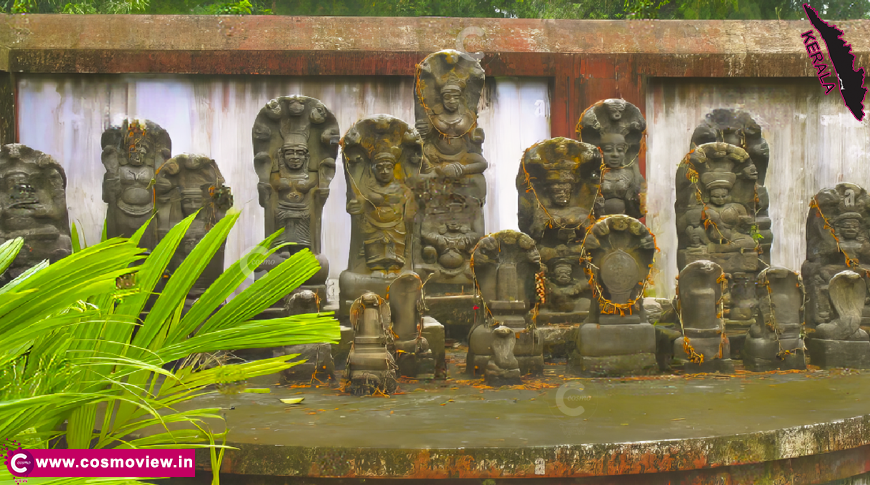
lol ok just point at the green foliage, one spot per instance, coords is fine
(74, 350)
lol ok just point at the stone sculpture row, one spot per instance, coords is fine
(416, 195)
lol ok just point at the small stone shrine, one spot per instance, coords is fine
(452, 189)
(33, 207)
(507, 269)
(186, 184)
(715, 217)
(618, 129)
(557, 184)
(774, 341)
(838, 239)
(703, 346)
(370, 367)
(132, 154)
(413, 354)
(295, 141)
(616, 339)
(737, 127)
(841, 342)
(382, 157)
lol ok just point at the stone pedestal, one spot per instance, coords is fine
(839, 353)
(705, 346)
(318, 364)
(341, 350)
(759, 355)
(614, 350)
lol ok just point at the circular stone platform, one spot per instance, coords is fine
(788, 427)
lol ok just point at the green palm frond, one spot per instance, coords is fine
(74, 350)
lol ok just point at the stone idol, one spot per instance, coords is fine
(703, 346)
(33, 207)
(371, 368)
(452, 189)
(557, 184)
(382, 157)
(295, 142)
(715, 217)
(774, 341)
(186, 184)
(838, 239)
(132, 154)
(737, 127)
(506, 344)
(841, 342)
(618, 129)
(616, 338)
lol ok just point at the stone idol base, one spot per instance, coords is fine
(709, 348)
(558, 340)
(318, 363)
(759, 355)
(614, 350)
(839, 353)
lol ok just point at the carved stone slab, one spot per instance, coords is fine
(774, 340)
(33, 207)
(132, 154)
(618, 129)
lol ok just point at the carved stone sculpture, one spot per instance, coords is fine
(774, 341)
(370, 366)
(413, 354)
(33, 207)
(715, 215)
(558, 183)
(838, 238)
(840, 342)
(703, 346)
(382, 157)
(186, 184)
(132, 154)
(617, 128)
(295, 142)
(616, 338)
(506, 267)
(452, 188)
(737, 127)
(319, 365)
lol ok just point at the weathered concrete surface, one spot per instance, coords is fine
(808, 427)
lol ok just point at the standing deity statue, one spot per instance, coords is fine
(132, 155)
(452, 188)
(32, 207)
(737, 127)
(382, 158)
(617, 128)
(716, 221)
(295, 142)
(557, 184)
(184, 185)
(616, 338)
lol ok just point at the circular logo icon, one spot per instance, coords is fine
(253, 260)
(571, 397)
(20, 463)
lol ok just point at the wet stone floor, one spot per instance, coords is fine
(551, 410)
